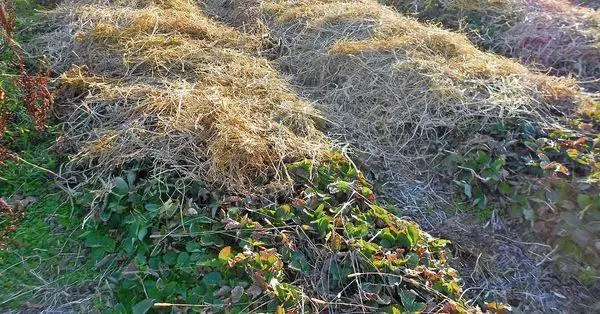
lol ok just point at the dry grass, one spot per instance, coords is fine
(557, 35)
(400, 91)
(160, 80)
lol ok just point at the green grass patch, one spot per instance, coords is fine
(44, 253)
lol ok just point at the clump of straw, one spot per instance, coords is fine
(159, 80)
(553, 35)
(400, 91)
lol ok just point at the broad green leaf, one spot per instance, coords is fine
(413, 235)
(212, 278)
(193, 247)
(95, 240)
(183, 259)
(170, 258)
(121, 186)
(529, 214)
(143, 307)
(409, 302)
(299, 262)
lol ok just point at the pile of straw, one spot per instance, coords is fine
(556, 35)
(400, 91)
(160, 81)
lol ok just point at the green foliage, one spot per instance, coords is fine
(45, 243)
(238, 254)
(549, 179)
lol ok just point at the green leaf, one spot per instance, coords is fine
(299, 262)
(365, 191)
(211, 239)
(388, 240)
(505, 188)
(193, 247)
(323, 225)
(380, 213)
(152, 207)
(170, 258)
(212, 278)
(97, 254)
(529, 214)
(497, 164)
(409, 302)
(121, 186)
(143, 307)
(183, 259)
(95, 240)
(339, 186)
(357, 230)
(413, 235)
(584, 200)
(142, 231)
(394, 309)
(467, 189)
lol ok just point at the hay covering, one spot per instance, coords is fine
(161, 81)
(557, 35)
(400, 91)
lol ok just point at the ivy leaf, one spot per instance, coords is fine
(143, 307)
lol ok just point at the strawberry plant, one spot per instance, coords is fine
(235, 253)
(549, 178)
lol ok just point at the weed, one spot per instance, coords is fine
(34, 93)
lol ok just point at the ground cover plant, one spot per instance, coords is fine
(43, 260)
(331, 246)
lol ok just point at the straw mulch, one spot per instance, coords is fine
(553, 35)
(402, 92)
(160, 81)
